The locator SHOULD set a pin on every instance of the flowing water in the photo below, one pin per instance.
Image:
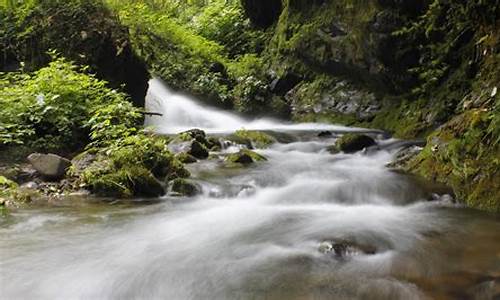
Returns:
(305, 224)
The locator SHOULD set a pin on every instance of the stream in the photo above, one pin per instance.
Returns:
(305, 224)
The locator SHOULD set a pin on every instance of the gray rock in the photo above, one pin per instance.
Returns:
(30, 185)
(50, 166)
(193, 148)
(342, 249)
(404, 156)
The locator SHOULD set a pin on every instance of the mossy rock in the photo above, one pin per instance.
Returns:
(244, 157)
(185, 187)
(186, 158)
(127, 182)
(198, 150)
(256, 139)
(135, 166)
(352, 142)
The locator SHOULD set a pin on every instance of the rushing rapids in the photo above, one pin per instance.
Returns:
(305, 224)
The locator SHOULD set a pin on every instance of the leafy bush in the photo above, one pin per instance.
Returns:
(226, 24)
(50, 108)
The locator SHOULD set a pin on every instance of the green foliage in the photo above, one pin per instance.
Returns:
(181, 41)
(133, 166)
(50, 109)
(226, 24)
(251, 95)
(445, 37)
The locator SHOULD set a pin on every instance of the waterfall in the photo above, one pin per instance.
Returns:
(180, 113)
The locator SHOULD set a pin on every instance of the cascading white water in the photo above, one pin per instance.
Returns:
(256, 232)
(180, 113)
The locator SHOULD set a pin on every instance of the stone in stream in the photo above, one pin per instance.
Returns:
(344, 249)
(50, 166)
(245, 157)
(198, 150)
(325, 134)
(185, 187)
(186, 158)
(193, 142)
(352, 142)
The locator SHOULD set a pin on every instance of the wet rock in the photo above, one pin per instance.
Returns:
(214, 144)
(325, 134)
(186, 158)
(445, 198)
(50, 166)
(352, 142)
(245, 157)
(196, 134)
(344, 249)
(404, 156)
(185, 187)
(198, 150)
(193, 148)
(252, 138)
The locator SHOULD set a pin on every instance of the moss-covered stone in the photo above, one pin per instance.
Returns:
(352, 142)
(244, 157)
(185, 187)
(185, 158)
(257, 139)
(135, 166)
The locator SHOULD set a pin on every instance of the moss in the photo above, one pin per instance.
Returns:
(134, 166)
(185, 158)
(462, 154)
(352, 142)
(258, 139)
(244, 157)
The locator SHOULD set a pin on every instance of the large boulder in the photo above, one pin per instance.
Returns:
(50, 166)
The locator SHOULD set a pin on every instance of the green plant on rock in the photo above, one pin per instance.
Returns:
(136, 165)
